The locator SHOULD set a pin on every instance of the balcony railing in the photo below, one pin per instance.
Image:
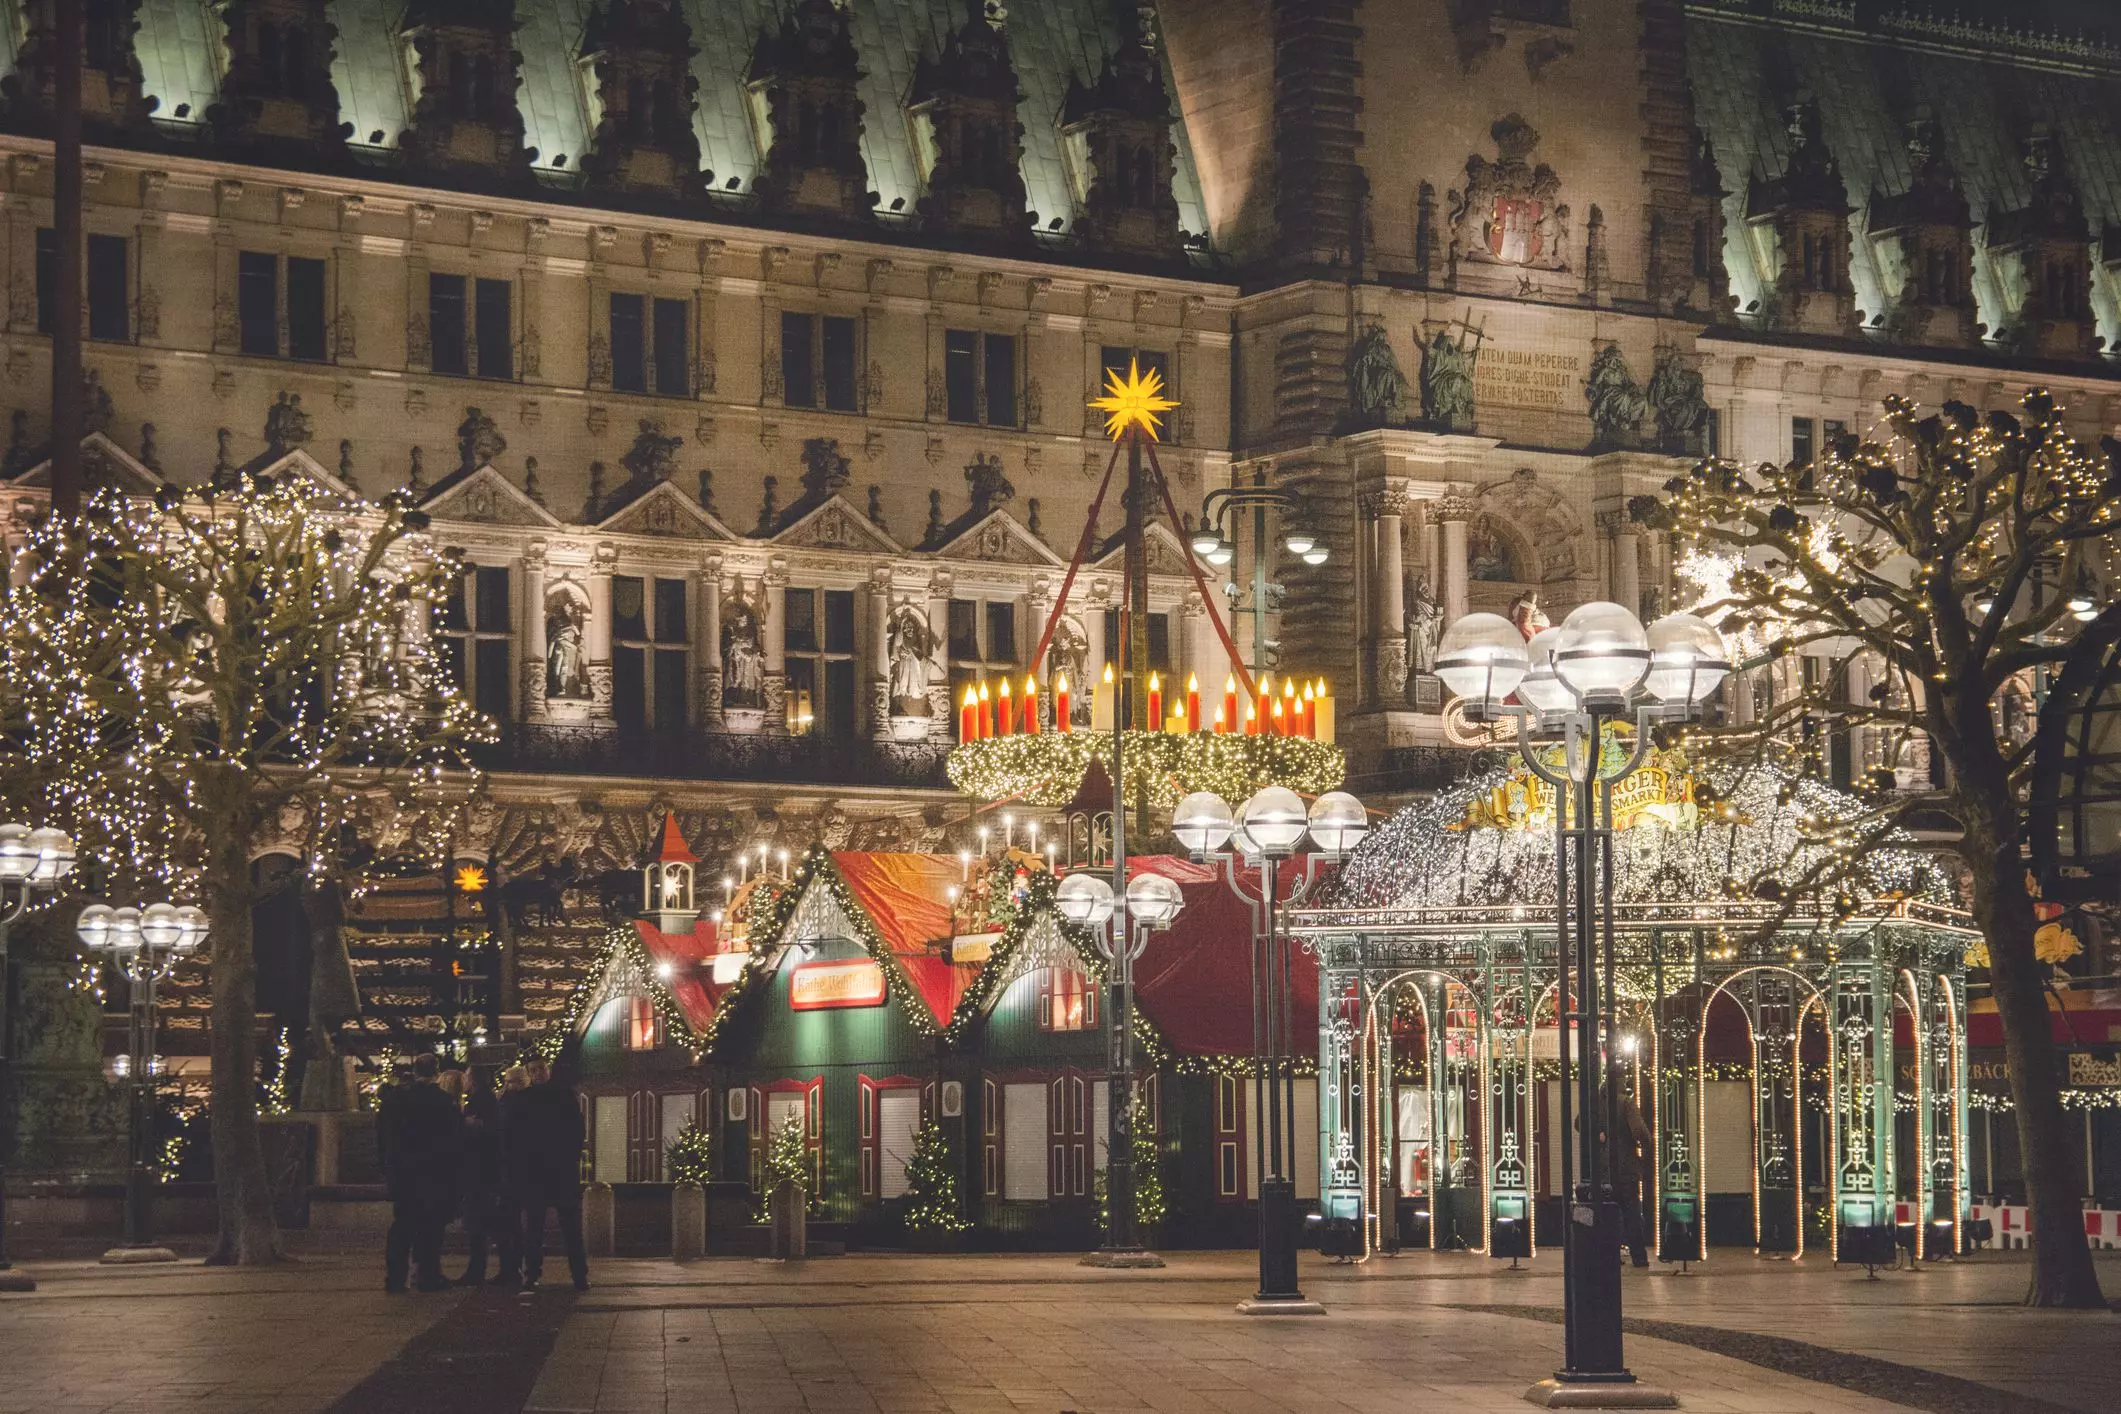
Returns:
(698, 755)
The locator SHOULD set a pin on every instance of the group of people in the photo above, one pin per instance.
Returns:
(501, 1160)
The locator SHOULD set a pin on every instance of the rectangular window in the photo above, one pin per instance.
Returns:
(802, 695)
(838, 356)
(800, 632)
(490, 677)
(979, 375)
(305, 309)
(1802, 444)
(629, 609)
(629, 689)
(495, 326)
(651, 660)
(839, 621)
(258, 304)
(670, 611)
(1712, 432)
(673, 351)
(477, 637)
(839, 698)
(1067, 1000)
(798, 350)
(670, 674)
(629, 346)
(109, 298)
(1001, 380)
(447, 331)
(1001, 633)
(1829, 429)
(1159, 642)
(964, 629)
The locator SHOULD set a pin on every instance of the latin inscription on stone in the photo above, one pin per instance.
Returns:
(1527, 378)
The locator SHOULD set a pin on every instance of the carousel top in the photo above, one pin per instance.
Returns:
(1685, 832)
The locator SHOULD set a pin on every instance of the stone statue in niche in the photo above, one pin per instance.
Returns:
(1510, 212)
(910, 645)
(989, 486)
(653, 457)
(1675, 392)
(1070, 653)
(743, 653)
(825, 471)
(566, 658)
(1490, 556)
(1424, 627)
(1447, 376)
(1617, 402)
(1377, 389)
(286, 425)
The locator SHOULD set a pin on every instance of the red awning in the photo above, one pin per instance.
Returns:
(907, 898)
(1195, 977)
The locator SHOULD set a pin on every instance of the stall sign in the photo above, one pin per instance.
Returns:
(827, 986)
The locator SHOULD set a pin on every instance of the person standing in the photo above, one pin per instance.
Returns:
(491, 1216)
(543, 1137)
(418, 1130)
(1629, 1139)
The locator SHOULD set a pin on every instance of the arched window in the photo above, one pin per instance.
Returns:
(1067, 1000)
(640, 1029)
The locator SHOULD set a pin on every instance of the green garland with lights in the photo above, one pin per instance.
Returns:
(1047, 769)
(622, 943)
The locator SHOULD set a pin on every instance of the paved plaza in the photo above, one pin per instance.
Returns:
(1003, 1333)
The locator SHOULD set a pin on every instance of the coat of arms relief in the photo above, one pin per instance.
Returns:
(1509, 212)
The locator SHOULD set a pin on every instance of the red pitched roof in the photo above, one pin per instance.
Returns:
(907, 898)
(1194, 980)
(689, 957)
(672, 849)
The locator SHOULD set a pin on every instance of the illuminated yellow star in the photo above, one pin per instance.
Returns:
(471, 879)
(1133, 401)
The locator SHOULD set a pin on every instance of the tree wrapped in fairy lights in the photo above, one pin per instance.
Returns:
(933, 1203)
(179, 676)
(1930, 575)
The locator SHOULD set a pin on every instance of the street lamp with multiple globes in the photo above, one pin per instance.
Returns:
(1267, 829)
(32, 861)
(1122, 932)
(1599, 665)
(143, 944)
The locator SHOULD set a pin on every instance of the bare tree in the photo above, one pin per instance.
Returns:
(183, 677)
(1929, 575)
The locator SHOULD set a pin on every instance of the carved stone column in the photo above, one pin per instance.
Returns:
(776, 686)
(597, 639)
(1452, 513)
(530, 673)
(879, 652)
(942, 712)
(1624, 584)
(1096, 604)
(1204, 656)
(1389, 593)
(709, 650)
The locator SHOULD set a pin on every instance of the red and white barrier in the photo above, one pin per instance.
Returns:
(2014, 1225)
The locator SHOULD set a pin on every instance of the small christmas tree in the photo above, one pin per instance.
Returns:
(932, 1203)
(787, 1161)
(690, 1158)
(1148, 1173)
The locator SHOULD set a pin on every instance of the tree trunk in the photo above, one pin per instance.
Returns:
(249, 1236)
(2062, 1261)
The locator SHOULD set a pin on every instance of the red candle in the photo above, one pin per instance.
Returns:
(1279, 727)
(986, 713)
(1292, 718)
(1156, 702)
(1310, 728)
(1228, 715)
(968, 717)
(1266, 701)
(1002, 706)
(1222, 723)
(1060, 704)
(1030, 705)
(1192, 702)
(1251, 721)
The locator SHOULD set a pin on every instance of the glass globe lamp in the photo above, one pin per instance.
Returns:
(1300, 540)
(1203, 822)
(125, 934)
(17, 859)
(1316, 555)
(1084, 898)
(160, 928)
(1205, 541)
(193, 921)
(93, 927)
(1275, 819)
(54, 849)
(1687, 659)
(1602, 653)
(1153, 899)
(1541, 690)
(1481, 658)
(1338, 822)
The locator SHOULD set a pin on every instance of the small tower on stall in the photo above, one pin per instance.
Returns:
(666, 882)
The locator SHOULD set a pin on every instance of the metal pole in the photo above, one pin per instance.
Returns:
(67, 186)
(139, 1226)
(1564, 1030)
(10, 909)
(1259, 586)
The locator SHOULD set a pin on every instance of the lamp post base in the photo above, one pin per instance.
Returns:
(136, 1256)
(1621, 1391)
(1123, 1258)
(13, 1279)
(1279, 1306)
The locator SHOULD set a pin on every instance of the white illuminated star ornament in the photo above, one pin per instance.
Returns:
(1132, 401)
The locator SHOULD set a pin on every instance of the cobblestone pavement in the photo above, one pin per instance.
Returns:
(971, 1335)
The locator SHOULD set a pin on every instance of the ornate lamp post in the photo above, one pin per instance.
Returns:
(32, 861)
(1212, 543)
(1151, 901)
(1270, 828)
(143, 944)
(1600, 665)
